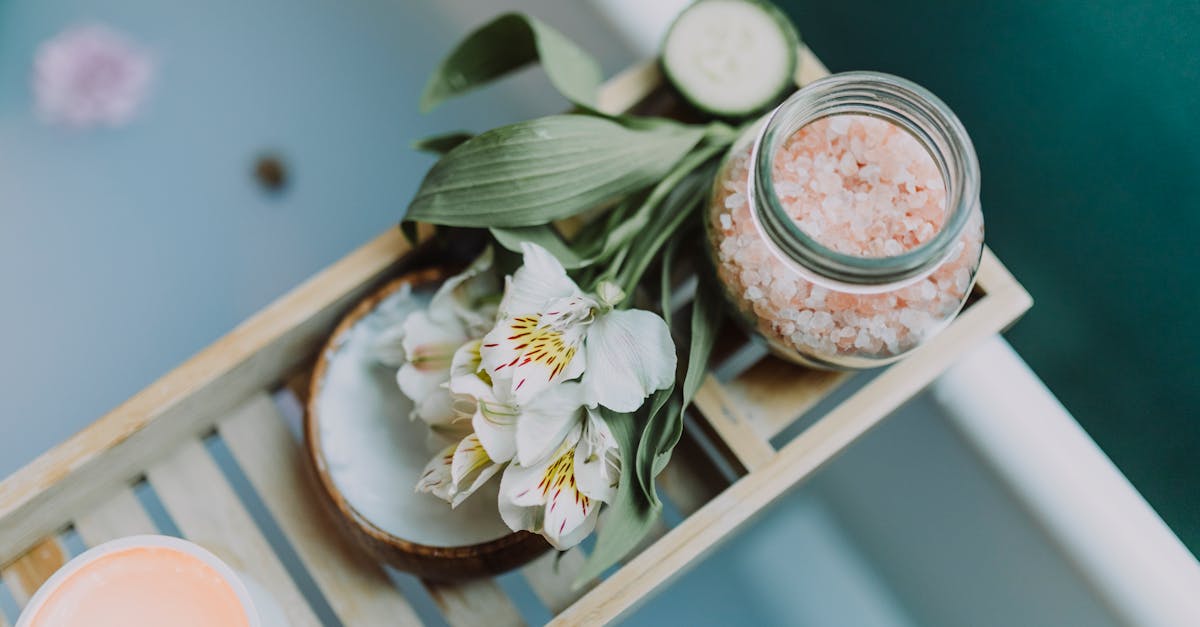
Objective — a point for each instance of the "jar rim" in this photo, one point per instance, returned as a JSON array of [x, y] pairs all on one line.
[[899, 101]]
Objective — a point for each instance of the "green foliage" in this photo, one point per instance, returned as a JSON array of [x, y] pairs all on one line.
[[509, 43], [543, 235], [442, 143], [532, 173], [631, 515], [678, 196], [637, 505], [644, 181]]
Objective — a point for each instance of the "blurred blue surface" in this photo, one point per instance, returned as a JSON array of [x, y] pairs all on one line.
[[905, 528], [124, 251]]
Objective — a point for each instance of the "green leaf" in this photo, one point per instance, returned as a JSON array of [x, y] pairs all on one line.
[[664, 293], [631, 515], [644, 455], [684, 190], [535, 172], [664, 424], [507, 44], [443, 143], [670, 437], [543, 235], [708, 312]]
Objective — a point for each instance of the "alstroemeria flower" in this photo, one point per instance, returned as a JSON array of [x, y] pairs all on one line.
[[550, 331], [560, 496], [458, 470], [527, 432], [497, 430], [427, 339]]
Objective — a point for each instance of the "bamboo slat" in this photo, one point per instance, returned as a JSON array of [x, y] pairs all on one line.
[[357, 588], [473, 603], [24, 576], [551, 576], [731, 425], [121, 515], [208, 512]]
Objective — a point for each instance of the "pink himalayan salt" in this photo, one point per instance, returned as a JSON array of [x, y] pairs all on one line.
[[860, 186]]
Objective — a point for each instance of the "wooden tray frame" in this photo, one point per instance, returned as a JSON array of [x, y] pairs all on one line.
[[86, 483]]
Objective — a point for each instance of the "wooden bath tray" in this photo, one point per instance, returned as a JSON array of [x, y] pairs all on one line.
[[207, 449]]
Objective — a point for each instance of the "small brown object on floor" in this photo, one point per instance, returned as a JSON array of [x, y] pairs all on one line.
[[271, 172]]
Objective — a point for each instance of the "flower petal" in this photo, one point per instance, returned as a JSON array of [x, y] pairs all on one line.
[[435, 478], [429, 350], [530, 356], [530, 484], [461, 294], [436, 409], [597, 460], [502, 346], [546, 421], [518, 513], [539, 280], [430, 344], [466, 360], [388, 346], [629, 355], [544, 498], [416, 384], [470, 468], [564, 527], [470, 387], [387, 324], [496, 426], [570, 515]]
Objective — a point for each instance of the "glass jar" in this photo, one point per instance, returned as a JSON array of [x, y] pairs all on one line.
[[846, 228]]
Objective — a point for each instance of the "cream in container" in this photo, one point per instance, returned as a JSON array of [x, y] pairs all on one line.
[[142, 581]]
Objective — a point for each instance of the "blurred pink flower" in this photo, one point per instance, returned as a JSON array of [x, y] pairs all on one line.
[[89, 76]]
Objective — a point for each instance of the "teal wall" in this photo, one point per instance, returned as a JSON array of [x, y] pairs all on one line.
[[1086, 118]]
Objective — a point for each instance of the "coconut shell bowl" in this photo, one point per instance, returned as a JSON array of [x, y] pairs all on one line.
[[368, 454]]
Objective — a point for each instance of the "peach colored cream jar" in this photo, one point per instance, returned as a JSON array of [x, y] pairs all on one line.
[[846, 228], [142, 581]]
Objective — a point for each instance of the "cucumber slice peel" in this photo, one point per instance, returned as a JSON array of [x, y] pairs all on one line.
[[731, 58]]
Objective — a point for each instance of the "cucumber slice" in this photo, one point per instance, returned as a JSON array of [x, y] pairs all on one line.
[[731, 58]]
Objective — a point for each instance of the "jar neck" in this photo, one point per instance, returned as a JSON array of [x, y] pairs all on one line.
[[912, 109]]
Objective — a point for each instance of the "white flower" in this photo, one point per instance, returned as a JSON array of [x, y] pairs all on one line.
[[560, 496], [423, 345], [496, 429], [530, 391], [89, 76], [528, 432], [549, 331], [457, 471]]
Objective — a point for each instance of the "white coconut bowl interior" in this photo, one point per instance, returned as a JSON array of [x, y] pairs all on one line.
[[374, 453]]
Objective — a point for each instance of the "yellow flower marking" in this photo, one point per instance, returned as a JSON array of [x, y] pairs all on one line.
[[478, 456], [539, 344], [560, 475]]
